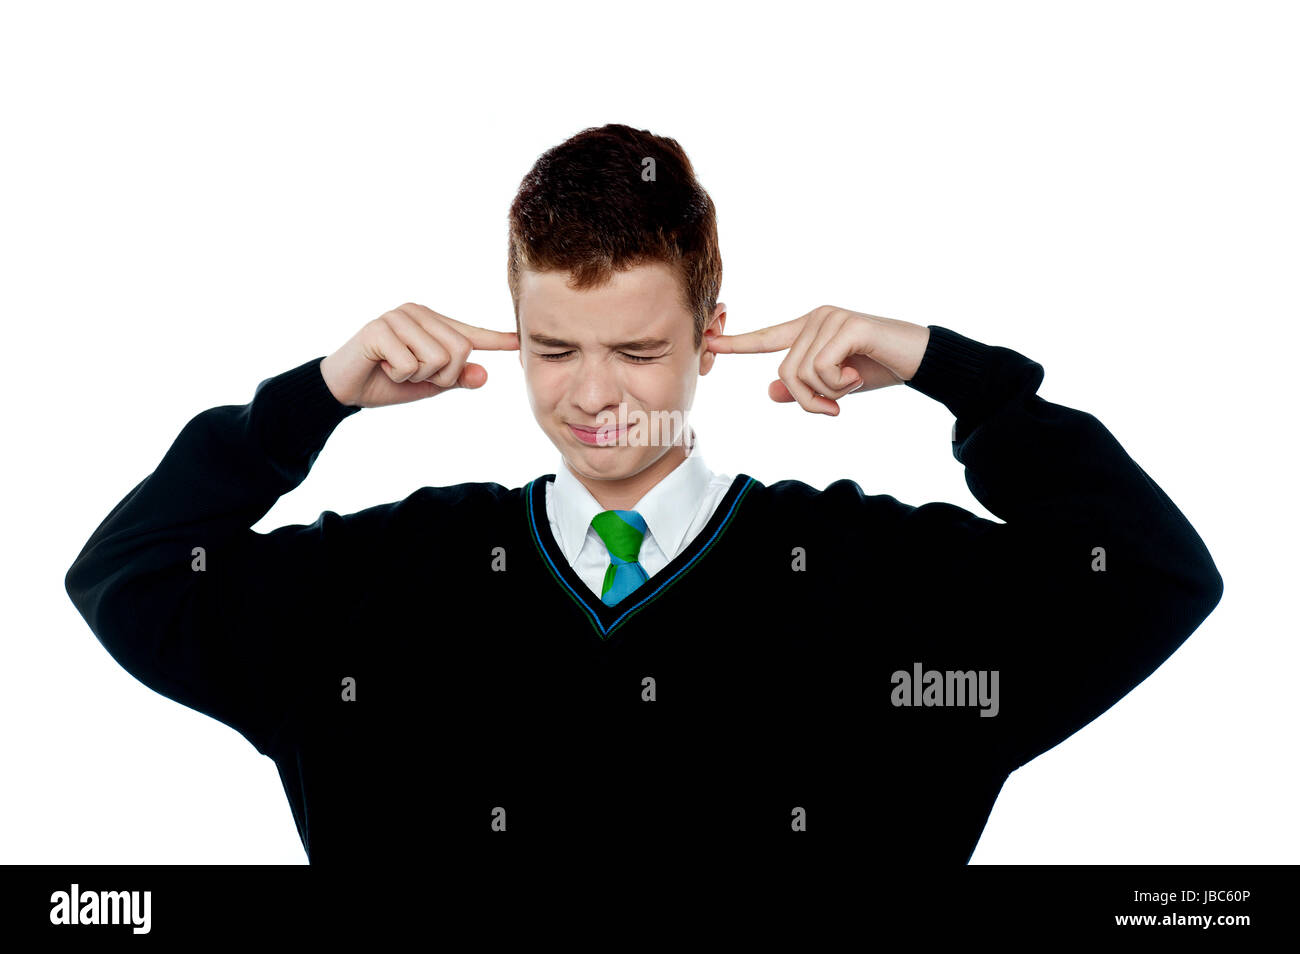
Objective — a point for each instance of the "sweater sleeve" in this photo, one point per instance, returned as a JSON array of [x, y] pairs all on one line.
[[187, 597], [1094, 579]]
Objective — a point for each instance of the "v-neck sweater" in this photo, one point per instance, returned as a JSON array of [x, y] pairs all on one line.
[[433, 680]]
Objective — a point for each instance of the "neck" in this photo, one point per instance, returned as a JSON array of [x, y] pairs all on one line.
[[623, 493]]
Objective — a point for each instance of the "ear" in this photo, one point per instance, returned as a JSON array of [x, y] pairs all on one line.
[[713, 328]]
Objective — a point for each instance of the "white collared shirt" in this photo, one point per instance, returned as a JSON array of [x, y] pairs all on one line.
[[675, 510]]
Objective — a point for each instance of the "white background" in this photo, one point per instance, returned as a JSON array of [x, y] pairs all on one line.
[[199, 196]]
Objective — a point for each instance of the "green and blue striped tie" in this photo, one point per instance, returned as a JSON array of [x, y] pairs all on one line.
[[622, 532]]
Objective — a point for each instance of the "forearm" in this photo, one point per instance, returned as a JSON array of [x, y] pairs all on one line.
[[1038, 464], [223, 472]]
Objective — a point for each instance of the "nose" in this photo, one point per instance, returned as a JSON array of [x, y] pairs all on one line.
[[596, 386]]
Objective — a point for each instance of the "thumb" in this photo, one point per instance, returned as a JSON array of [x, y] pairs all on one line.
[[472, 376]]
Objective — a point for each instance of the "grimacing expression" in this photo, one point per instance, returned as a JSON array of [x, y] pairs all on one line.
[[630, 342]]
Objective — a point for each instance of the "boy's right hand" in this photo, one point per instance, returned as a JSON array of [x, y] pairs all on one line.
[[409, 353]]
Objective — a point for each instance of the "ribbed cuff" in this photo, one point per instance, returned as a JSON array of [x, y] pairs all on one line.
[[952, 370], [295, 412]]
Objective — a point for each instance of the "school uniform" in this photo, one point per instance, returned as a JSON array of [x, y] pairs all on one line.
[[440, 677]]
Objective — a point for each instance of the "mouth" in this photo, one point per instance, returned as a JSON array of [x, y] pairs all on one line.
[[595, 437]]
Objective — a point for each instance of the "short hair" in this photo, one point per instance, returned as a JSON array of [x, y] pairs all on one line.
[[588, 208]]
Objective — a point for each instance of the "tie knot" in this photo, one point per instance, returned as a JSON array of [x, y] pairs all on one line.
[[621, 531]]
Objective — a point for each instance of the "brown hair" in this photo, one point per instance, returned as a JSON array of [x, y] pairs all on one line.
[[590, 207]]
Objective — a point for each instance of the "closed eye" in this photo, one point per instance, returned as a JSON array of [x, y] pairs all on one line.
[[560, 354]]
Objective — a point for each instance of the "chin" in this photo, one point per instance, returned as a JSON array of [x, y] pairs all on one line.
[[606, 464]]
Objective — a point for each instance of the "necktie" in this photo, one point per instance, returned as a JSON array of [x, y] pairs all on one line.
[[622, 532]]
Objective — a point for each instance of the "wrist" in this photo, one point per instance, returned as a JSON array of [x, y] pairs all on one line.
[[920, 335], [328, 376]]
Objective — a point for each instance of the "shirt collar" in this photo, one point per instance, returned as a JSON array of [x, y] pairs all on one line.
[[667, 508]]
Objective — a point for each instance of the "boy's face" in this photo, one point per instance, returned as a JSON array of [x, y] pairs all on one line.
[[598, 366]]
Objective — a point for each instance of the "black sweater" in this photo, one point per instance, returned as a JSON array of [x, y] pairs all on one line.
[[424, 670]]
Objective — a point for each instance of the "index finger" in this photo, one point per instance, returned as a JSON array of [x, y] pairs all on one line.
[[771, 338], [485, 339]]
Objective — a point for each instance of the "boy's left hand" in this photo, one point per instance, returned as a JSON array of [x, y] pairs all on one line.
[[833, 352]]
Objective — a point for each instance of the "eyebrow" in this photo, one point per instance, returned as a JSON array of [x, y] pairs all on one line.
[[636, 344]]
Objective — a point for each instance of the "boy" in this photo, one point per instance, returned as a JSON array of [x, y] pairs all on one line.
[[634, 648]]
